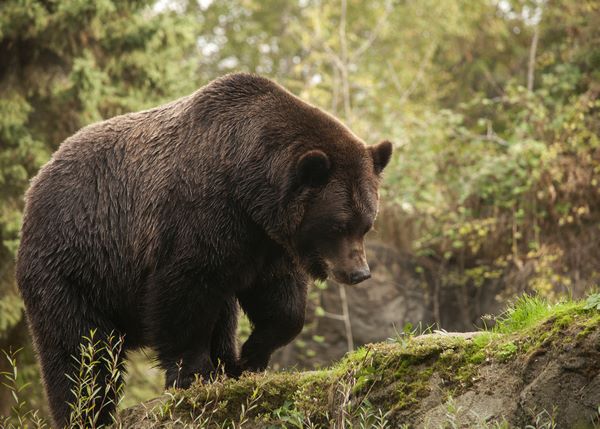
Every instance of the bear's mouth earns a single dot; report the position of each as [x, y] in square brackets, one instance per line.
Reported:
[318, 268]
[341, 277]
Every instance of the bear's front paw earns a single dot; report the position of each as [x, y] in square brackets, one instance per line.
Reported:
[182, 379]
[185, 381]
[253, 363]
[233, 370]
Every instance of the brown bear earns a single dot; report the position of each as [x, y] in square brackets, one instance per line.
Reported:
[155, 225]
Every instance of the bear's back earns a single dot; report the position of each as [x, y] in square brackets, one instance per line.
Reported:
[94, 210]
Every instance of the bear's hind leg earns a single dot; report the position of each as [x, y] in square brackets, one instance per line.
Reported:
[56, 363]
[224, 342]
[184, 351]
[70, 368]
[181, 316]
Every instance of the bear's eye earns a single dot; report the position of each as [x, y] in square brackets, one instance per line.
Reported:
[338, 227]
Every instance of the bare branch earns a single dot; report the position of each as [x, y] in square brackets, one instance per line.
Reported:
[344, 64]
[532, 53]
[346, 313]
[319, 40]
[333, 316]
[405, 93]
[490, 136]
[375, 34]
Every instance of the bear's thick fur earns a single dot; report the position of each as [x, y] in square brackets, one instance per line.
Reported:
[155, 225]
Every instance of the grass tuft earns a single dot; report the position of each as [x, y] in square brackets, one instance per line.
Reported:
[525, 312]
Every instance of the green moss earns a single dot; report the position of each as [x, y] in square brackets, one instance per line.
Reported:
[412, 388]
[589, 323]
[506, 351]
[478, 350]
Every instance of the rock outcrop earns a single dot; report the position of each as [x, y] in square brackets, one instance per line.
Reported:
[546, 372]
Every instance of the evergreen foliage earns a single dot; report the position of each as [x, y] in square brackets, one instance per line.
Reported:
[65, 64]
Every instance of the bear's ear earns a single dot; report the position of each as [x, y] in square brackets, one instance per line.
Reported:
[381, 154]
[313, 168]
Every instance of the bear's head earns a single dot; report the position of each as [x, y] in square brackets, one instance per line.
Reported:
[343, 180]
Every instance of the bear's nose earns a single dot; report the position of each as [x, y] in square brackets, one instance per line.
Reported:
[359, 276]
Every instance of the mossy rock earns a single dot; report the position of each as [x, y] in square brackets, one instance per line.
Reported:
[545, 371]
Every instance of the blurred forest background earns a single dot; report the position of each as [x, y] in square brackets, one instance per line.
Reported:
[493, 106]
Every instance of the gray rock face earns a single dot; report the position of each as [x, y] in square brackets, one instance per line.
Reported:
[559, 385]
[569, 384]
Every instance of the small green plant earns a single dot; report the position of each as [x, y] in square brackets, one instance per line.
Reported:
[289, 416]
[369, 417]
[592, 302]
[543, 420]
[596, 419]
[20, 416]
[453, 410]
[97, 358]
[246, 408]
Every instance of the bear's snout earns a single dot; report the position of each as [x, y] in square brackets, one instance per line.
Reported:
[349, 264]
[352, 275]
[360, 276]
